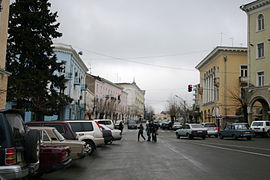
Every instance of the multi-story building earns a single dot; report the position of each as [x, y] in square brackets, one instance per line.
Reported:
[75, 71]
[258, 91]
[135, 100]
[222, 73]
[4, 14]
[110, 99]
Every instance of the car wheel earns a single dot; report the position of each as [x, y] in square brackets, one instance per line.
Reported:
[249, 138]
[234, 137]
[177, 136]
[203, 137]
[216, 136]
[190, 136]
[221, 137]
[32, 146]
[89, 147]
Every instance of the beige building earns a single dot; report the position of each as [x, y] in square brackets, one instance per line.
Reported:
[4, 13]
[222, 73]
[258, 93]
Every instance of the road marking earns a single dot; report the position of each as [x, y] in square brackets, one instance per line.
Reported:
[248, 147]
[236, 150]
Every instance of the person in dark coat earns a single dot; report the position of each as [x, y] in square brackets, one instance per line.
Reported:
[154, 132]
[121, 127]
[149, 129]
[140, 133]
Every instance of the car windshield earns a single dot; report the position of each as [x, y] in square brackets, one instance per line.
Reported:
[58, 135]
[241, 126]
[210, 125]
[196, 126]
[132, 122]
[16, 123]
[257, 124]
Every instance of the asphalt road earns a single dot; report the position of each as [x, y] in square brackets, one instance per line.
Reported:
[172, 158]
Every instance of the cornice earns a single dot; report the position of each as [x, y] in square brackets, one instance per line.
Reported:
[60, 47]
[218, 50]
[254, 5]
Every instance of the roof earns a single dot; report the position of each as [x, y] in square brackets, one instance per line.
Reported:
[217, 51]
[105, 81]
[132, 84]
[254, 5]
[60, 47]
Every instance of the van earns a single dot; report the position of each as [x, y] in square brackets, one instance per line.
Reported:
[261, 127]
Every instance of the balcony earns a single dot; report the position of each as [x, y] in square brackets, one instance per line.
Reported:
[68, 75]
[243, 81]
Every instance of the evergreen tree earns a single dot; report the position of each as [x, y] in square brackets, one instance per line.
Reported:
[36, 83]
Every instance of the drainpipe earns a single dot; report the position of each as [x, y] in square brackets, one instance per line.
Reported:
[225, 86]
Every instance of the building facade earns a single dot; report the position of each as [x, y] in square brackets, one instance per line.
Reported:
[222, 73]
[75, 71]
[4, 14]
[135, 100]
[258, 91]
[110, 99]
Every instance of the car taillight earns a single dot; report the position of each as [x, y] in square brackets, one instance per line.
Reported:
[64, 155]
[98, 126]
[110, 133]
[10, 156]
[217, 128]
[193, 131]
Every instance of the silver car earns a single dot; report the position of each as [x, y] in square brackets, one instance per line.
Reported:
[212, 129]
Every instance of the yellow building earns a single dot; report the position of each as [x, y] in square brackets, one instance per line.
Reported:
[222, 73]
[4, 13]
[258, 93]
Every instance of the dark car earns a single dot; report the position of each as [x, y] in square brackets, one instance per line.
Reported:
[107, 134]
[166, 125]
[53, 158]
[63, 127]
[132, 125]
[237, 130]
[19, 155]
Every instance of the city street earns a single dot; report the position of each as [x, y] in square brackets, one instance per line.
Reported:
[173, 158]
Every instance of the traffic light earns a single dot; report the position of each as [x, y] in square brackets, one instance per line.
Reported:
[189, 87]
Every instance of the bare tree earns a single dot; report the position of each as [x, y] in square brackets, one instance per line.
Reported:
[173, 108]
[239, 97]
[149, 112]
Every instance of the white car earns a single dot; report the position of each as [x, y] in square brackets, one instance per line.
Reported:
[261, 127]
[212, 129]
[191, 130]
[106, 122]
[176, 125]
[116, 134]
[88, 131]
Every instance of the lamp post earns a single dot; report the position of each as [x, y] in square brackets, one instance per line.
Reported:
[185, 109]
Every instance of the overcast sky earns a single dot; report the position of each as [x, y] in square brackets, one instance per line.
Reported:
[157, 42]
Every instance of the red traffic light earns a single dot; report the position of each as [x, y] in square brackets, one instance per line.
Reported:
[189, 87]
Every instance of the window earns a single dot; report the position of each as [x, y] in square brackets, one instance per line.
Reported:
[45, 136]
[260, 78]
[260, 25]
[87, 126]
[244, 70]
[260, 50]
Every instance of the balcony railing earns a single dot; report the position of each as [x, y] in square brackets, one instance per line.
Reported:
[243, 81]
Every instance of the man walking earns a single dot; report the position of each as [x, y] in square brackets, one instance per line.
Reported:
[140, 133]
[121, 127]
[154, 132]
[149, 130]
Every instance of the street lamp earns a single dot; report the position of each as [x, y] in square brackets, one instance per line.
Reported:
[185, 109]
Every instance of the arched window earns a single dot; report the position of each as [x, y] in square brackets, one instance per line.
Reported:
[260, 22]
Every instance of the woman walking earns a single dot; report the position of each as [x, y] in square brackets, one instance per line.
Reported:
[140, 133]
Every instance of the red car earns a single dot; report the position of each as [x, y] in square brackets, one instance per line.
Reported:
[53, 158]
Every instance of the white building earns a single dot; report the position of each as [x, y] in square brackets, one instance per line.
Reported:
[135, 100]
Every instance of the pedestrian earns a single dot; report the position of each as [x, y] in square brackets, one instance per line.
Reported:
[121, 127]
[140, 133]
[154, 132]
[149, 128]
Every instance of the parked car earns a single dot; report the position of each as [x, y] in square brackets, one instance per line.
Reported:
[191, 131]
[166, 125]
[117, 123]
[53, 157]
[88, 131]
[19, 147]
[212, 129]
[50, 136]
[261, 128]
[116, 134]
[158, 122]
[107, 122]
[237, 130]
[176, 125]
[107, 134]
[62, 127]
[132, 124]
